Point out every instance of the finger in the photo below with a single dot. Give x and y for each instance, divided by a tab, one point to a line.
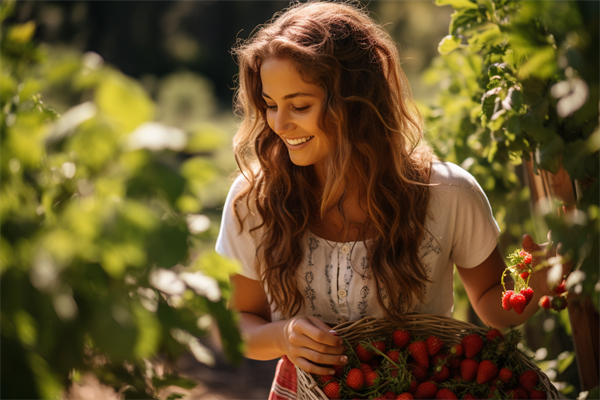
312	368
320	334
321	325
321	358
529	245
302	341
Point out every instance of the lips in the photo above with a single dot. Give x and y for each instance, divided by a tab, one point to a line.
295	142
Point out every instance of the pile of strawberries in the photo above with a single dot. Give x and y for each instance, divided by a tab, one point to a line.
406	367
520	267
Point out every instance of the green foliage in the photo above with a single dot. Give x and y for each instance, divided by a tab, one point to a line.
519	82
97	271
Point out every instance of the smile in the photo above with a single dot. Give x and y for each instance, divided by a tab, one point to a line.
299	140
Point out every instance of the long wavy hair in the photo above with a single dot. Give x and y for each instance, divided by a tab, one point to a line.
370	118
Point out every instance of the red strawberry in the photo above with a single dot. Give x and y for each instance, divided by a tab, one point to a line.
469	396
401	338
526	257
528	293
439	359
364	354
420	373
323	379
379	345
493	393
468	369
389	395
375	363
506	300
528	380
355	379
455	362
524	275
456	350
445	394
370	378
486	371
332	390
545	302
472	344
364	367
393	355
339	370
493	334
405	396
537	394
426	390
418	350
505	375
434	345
518	393
518	301
560	288
413	386
441	373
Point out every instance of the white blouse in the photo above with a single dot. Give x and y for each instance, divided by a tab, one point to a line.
335	277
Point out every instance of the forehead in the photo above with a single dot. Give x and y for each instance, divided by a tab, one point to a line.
280	77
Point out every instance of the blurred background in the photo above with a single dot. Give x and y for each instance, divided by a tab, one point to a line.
178	52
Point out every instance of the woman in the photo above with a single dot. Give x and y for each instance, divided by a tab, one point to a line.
341	210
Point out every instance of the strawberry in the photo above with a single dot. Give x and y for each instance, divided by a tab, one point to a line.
537	394
413	386
517	393
528	293
456	350
418	350
339	370
558	303
441	373
455	362
323	379
332	390
524	275
486	371
506	300
493	334
469	396
364	354
393	355
375	363
527	258
426	390
560	288
434	345
445	394
420	373
389	395
528	380
517	301
493	393
439	359
472	345
401	338
505	375
545	302
468	369
355	379
370	378
379	345
364	367
405	396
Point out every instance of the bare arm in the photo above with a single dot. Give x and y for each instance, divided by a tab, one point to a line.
305	340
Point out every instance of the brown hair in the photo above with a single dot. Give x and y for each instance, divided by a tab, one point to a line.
377	134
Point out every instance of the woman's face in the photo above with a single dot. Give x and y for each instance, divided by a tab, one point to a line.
293	111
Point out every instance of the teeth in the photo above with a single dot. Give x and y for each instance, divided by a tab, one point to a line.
298	141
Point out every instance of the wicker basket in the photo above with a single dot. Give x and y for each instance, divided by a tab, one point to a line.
451	331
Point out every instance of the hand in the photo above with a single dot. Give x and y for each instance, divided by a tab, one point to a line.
309	341
539	278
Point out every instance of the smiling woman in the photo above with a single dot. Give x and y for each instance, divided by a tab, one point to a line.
341	211
293	113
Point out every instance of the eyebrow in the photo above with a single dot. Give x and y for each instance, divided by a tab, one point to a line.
291	96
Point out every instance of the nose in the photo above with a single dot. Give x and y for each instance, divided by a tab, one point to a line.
282	122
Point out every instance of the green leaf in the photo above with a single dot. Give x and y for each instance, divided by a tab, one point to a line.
563	363
448	44
549	154
21	33
457	4
462	19
216	266
173	380
542	64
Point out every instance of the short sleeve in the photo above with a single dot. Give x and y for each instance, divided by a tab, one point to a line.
464	213
232	243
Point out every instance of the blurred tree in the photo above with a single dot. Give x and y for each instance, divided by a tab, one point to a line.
96	229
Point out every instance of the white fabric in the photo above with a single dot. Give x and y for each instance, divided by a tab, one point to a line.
461	231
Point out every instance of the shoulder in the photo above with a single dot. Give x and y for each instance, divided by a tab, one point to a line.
244	207
446	175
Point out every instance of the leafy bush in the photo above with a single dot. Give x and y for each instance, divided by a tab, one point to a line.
98	268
